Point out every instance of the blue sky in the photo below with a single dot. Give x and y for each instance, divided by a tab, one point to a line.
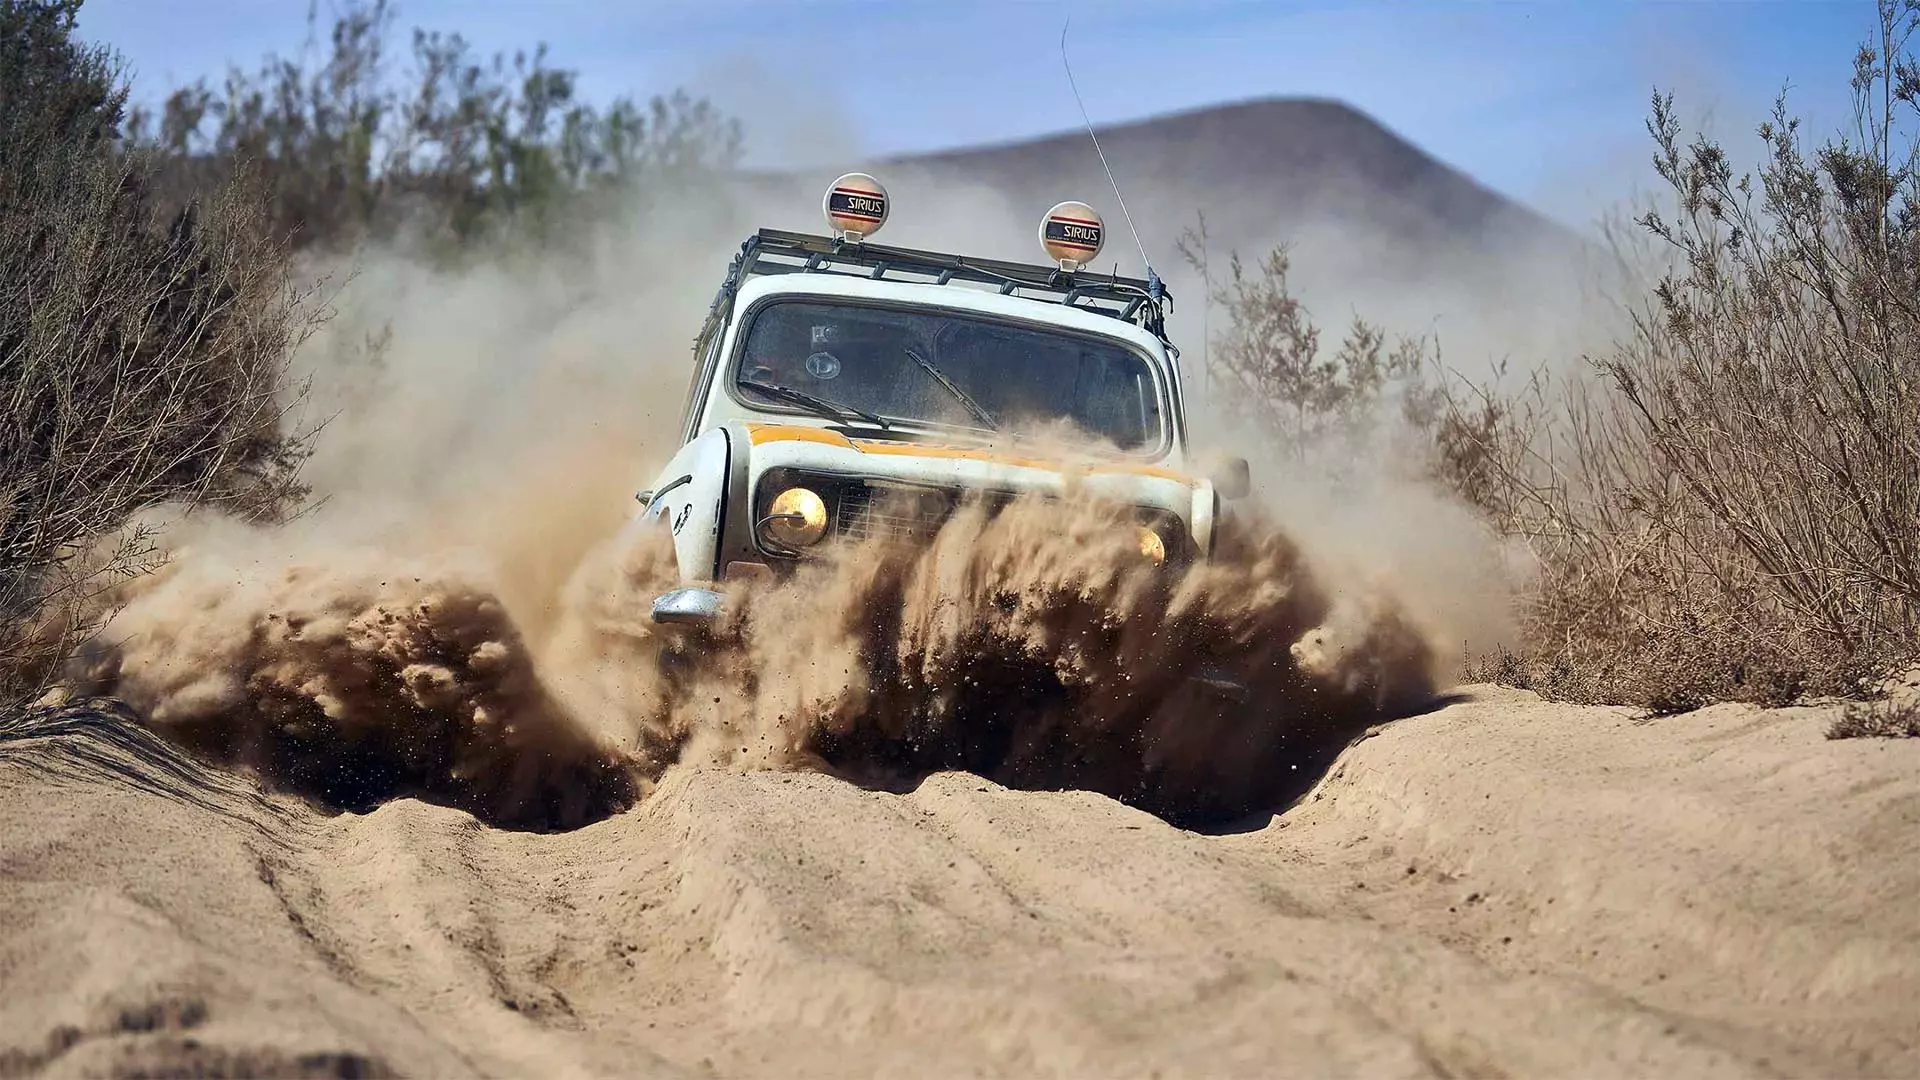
1543	100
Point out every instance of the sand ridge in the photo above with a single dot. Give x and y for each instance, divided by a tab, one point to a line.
1500	887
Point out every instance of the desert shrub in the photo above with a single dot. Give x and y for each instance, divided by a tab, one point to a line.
1305	402
148	305
141	356
1877	720
1725	506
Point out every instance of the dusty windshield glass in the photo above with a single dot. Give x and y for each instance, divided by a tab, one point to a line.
947	368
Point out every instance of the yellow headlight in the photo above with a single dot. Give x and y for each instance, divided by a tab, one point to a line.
797	517
1151	546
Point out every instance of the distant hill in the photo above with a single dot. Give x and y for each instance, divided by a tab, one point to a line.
1376	223
1252	166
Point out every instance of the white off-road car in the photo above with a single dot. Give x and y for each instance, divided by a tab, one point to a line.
843	387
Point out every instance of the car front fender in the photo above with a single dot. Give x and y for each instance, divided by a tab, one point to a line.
690	498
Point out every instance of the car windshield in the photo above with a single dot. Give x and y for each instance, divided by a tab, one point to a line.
947	368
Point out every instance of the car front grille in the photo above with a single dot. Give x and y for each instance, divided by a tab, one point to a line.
865	510
899	511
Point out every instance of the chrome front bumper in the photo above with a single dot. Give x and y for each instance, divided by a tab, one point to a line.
689	605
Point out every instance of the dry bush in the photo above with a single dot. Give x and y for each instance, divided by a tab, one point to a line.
1302	401
141	358
1877	720
146	306
1726	508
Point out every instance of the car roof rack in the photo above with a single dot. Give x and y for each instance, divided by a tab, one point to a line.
775	251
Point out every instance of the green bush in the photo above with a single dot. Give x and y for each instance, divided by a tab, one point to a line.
459	149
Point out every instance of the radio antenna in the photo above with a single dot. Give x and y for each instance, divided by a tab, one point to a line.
1153	279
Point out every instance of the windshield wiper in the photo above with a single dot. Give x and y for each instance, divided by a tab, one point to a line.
973	406
833	410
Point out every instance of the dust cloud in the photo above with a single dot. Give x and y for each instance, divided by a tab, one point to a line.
463	616
1033	645
353	675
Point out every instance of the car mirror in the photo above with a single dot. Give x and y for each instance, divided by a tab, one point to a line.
1233	479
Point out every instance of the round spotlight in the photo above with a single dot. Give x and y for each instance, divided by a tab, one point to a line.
1152	548
797	517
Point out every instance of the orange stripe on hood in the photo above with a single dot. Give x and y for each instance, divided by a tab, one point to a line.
767	433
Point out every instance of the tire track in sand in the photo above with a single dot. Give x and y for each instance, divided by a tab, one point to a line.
793	924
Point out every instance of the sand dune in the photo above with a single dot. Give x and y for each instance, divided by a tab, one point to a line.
1499	887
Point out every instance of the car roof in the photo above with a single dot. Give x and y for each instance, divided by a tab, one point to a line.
940	297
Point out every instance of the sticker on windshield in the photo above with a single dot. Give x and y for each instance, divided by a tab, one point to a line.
823	365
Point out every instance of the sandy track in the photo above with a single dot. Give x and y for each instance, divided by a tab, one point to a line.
1502	887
